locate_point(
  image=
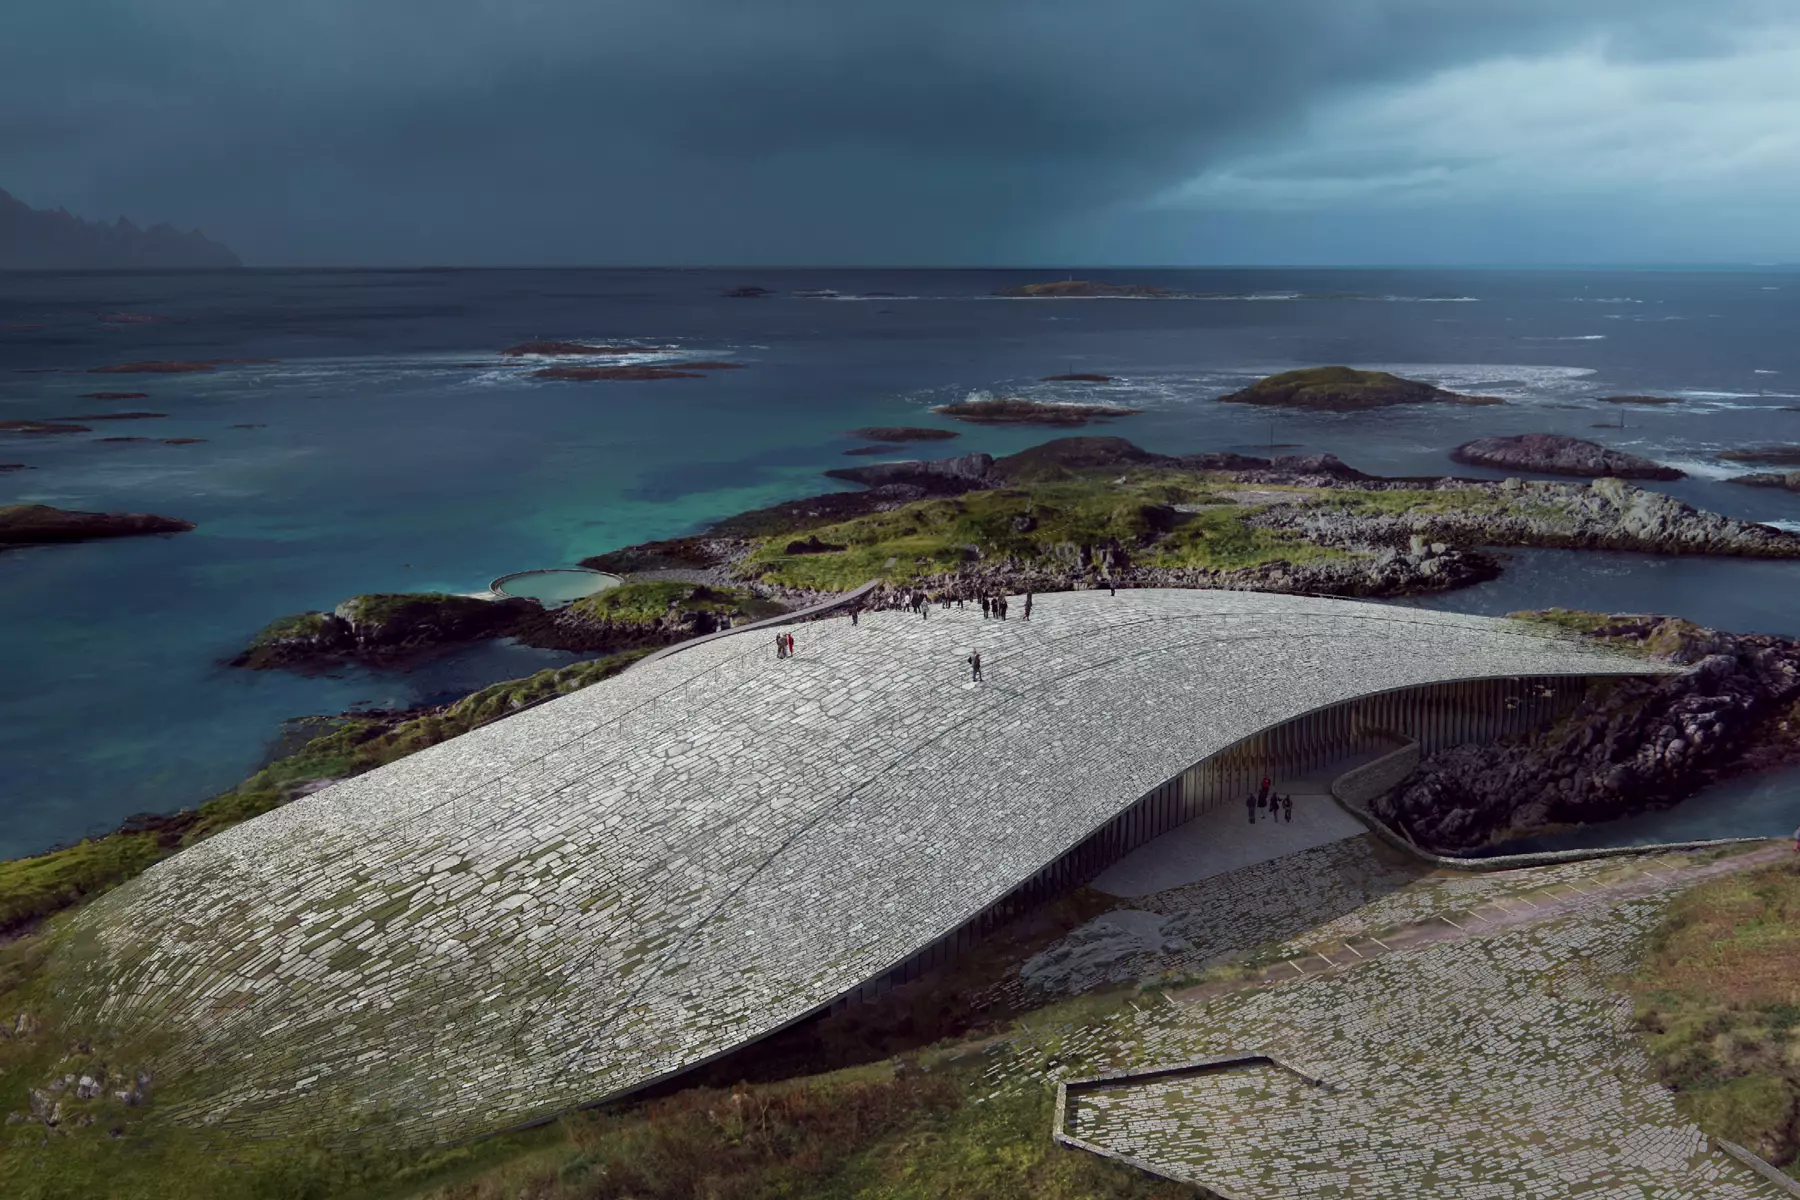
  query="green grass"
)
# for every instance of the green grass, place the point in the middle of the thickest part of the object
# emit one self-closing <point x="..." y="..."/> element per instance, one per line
<point x="646" y="603"/>
<point x="1718" y="1000"/>
<point x="1409" y="500"/>
<point x="1044" y="525"/>
<point x="873" y="1133"/>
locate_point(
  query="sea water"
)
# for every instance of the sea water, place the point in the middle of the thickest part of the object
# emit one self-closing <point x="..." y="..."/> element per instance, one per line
<point x="390" y="448"/>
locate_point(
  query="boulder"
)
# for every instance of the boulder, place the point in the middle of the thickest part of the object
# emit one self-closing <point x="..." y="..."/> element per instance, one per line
<point x="1774" y="456"/>
<point x="1554" y="454"/>
<point x="383" y="626"/>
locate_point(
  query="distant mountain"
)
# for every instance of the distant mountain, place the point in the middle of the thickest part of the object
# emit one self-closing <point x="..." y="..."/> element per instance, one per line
<point x="39" y="238"/>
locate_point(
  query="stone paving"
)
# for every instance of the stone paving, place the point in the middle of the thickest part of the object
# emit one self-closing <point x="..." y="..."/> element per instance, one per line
<point x="626" y="881"/>
<point x="1498" y="1064"/>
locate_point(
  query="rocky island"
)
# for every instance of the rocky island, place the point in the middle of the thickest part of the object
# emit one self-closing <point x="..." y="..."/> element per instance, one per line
<point x="37" y="524"/>
<point x="1553" y="454"/>
<point x="1774" y="456"/>
<point x="1016" y="410"/>
<point x="1345" y="389"/>
<point x="554" y="349"/>
<point x="382" y="627"/>
<point x="903" y="433"/>
<point x="1084" y="289"/>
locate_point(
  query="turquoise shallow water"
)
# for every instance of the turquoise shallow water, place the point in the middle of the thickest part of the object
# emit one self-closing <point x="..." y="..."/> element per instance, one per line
<point x="378" y="461"/>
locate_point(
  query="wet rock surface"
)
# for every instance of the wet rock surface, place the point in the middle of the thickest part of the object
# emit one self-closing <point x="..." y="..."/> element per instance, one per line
<point x="903" y="433"/>
<point x="1632" y="745"/>
<point x="1016" y="410"/>
<point x="1554" y="454"/>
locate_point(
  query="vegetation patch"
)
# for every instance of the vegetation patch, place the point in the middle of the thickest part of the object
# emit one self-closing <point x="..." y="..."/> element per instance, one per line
<point x="1162" y="518"/>
<point x="1718" y="1000"/>
<point x="650" y="603"/>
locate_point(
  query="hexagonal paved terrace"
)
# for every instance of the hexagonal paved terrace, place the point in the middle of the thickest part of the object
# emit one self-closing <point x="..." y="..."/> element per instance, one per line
<point x="615" y="886"/>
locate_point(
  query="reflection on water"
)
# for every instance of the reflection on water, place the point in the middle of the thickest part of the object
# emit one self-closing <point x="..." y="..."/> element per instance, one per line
<point x="1764" y="805"/>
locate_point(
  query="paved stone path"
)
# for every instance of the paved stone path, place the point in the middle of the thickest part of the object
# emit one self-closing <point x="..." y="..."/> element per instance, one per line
<point x="1494" y="1061"/>
<point x="623" y="882"/>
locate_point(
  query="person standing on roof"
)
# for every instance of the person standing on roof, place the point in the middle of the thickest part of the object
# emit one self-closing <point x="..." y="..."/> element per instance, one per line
<point x="975" y="666"/>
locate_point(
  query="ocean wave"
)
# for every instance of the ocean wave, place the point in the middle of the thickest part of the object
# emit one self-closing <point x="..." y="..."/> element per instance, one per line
<point x="1760" y="371"/>
<point x="1256" y="297"/>
<point x="1573" y="337"/>
<point x="1697" y="394"/>
<point x="1704" y="468"/>
<point x="1783" y="524"/>
<point x="1605" y="300"/>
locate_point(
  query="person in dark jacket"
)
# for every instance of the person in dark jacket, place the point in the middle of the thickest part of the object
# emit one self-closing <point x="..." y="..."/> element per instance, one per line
<point x="975" y="667"/>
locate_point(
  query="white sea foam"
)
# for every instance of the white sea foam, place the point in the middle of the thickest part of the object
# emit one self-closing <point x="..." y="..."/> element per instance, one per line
<point x="1760" y="371"/>
<point x="1573" y="337"/>
<point x="1783" y="524"/>
<point x="1604" y="300"/>
<point x="1704" y="468"/>
<point x="1697" y="394"/>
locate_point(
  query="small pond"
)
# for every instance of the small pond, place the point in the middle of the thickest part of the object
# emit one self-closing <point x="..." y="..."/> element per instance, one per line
<point x="556" y="585"/>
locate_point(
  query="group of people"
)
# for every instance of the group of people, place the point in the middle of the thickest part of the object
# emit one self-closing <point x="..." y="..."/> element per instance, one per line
<point x="1264" y="798"/>
<point x="784" y="645"/>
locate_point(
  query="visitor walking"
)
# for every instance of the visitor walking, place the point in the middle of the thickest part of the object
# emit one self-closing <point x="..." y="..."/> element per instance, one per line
<point x="781" y="645"/>
<point x="984" y="608"/>
<point x="1262" y="793"/>
<point x="1111" y="590"/>
<point x="1287" y="808"/>
<point x="1028" y="606"/>
<point x="790" y="645"/>
<point x="1250" y="805"/>
<point x="853" y="613"/>
<point x="1002" y="603"/>
<point x="975" y="666"/>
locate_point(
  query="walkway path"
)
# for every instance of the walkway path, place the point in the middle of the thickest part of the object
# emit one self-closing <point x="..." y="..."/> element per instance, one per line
<point x="1474" y="1051"/>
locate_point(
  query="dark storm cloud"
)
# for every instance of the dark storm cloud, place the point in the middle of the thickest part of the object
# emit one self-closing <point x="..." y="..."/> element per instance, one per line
<point x="711" y="130"/>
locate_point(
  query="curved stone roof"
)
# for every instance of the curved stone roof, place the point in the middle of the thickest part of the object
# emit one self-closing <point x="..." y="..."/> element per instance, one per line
<point x="663" y="866"/>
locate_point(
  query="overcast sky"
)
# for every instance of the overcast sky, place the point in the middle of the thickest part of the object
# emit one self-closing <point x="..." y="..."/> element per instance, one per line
<point x="919" y="131"/>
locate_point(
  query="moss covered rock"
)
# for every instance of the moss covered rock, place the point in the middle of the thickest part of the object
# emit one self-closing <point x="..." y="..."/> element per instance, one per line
<point x="383" y="625"/>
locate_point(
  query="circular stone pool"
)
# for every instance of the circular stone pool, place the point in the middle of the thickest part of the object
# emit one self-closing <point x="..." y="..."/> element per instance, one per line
<point x="555" y="586"/>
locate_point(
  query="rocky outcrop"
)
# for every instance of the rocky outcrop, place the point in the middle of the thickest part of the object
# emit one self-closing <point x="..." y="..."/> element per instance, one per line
<point x="1790" y="480"/>
<point x="1553" y="454"/>
<point x="383" y="627"/>
<point x="114" y="396"/>
<point x="945" y="474"/>
<point x="40" y="427"/>
<point x="1639" y="399"/>
<point x="552" y="349"/>
<point x="1608" y="514"/>
<point x="1345" y="389"/>
<point x="15" y="467"/>
<point x="903" y="433"/>
<point x="175" y="366"/>
<point x="1078" y="377"/>
<point x="116" y="416"/>
<point x="748" y="293"/>
<point x="1066" y="289"/>
<point x="645" y="613"/>
<point x="591" y="374"/>
<point x="36" y="524"/>
<point x="1016" y="410"/>
<point x="1630" y="746"/>
<point x="1773" y="456"/>
<point x="878" y="448"/>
